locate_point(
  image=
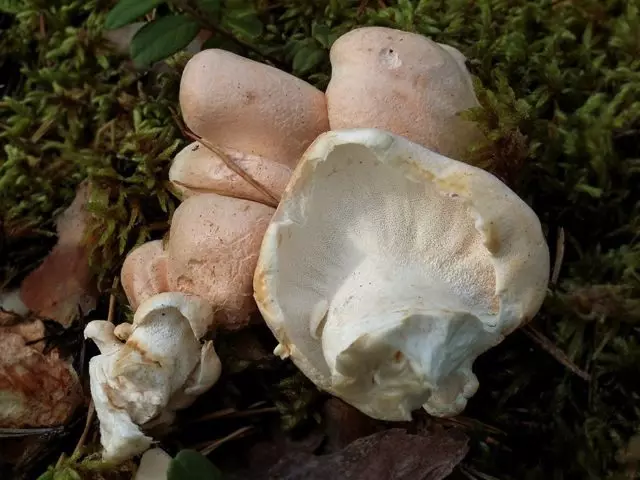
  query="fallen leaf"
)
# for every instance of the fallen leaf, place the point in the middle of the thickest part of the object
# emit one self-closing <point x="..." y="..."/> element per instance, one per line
<point x="390" y="455"/>
<point x="63" y="283"/>
<point x="36" y="390"/>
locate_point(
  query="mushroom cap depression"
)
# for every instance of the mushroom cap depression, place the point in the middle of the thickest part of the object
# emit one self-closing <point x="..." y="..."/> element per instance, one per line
<point x="388" y="268"/>
<point x="403" y="83"/>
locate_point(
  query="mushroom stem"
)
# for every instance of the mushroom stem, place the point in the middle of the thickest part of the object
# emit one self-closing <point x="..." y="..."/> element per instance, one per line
<point x="406" y="348"/>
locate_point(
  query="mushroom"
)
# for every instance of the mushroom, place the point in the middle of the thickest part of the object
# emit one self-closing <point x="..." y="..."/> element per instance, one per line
<point x="144" y="273"/>
<point x="388" y="268"/>
<point x="250" y="107"/>
<point x="253" y="123"/>
<point x="161" y="367"/>
<point x="403" y="83"/>
<point x="213" y="250"/>
<point x="154" y="465"/>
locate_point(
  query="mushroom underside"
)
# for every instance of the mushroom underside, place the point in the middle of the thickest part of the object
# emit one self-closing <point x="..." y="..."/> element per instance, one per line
<point x="391" y="286"/>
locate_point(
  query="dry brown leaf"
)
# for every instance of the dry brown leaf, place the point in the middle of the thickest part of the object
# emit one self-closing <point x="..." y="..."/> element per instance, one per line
<point x="390" y="455"/>
<point x="63" y="283"/>
<point x="36" y="390"/>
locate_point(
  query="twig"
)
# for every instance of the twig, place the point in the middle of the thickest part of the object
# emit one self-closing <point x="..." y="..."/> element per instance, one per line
<point x="473" y="423"/>
<point x="87" y="427"/>
<point x="474" y="474"/>
<point x="231" y="413"/>
<point x="237" y="434"/>
<point x="28" y="432"/>
<point x="112" y="305"/>
<point x="43" y="28"/>
<point x="230" y="164"/>
<point x="555" y="352"/>
<point x="557" y="265"/>
<point x="92" y="410"/>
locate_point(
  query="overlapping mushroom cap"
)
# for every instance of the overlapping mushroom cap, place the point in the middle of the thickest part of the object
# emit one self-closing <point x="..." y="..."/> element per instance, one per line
<point x="388" y="268"/>
<point x="161" y="367"/>
<point x="404" y="83"/>
<point x="255" y="121"/>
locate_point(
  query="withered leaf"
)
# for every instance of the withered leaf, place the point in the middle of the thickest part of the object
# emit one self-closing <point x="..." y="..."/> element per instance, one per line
<point x="390" y="455"/>
<point x="63" y="283"/>
<point x="36" y="390"/>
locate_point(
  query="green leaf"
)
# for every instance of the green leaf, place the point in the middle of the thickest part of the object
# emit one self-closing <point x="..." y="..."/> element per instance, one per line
<point x="245" y="23"/>
<point x="162" y="38"/>
<point x="211" y="7"/>
<point x="307" y="59"/>
<point x="191" y="465"/>
<point x="126" y="11"/>
<point x="322" y="34"/>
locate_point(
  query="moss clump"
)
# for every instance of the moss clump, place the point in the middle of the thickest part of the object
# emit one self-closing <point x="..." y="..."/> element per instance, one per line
<point x="559" y="83"/>
<point x="81" y="111"/>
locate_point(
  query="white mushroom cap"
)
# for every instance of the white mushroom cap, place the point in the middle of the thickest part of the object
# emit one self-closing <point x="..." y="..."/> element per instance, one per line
<point x="154" y="465"/>
<point x="160" y="368"/>
<point x="388" y="268"/>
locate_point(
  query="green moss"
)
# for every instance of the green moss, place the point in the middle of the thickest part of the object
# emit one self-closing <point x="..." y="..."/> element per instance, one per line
<point x="559" y="84"/>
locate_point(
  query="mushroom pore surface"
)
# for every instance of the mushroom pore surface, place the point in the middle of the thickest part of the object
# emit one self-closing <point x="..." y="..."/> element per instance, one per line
<point x="387" y="269"/>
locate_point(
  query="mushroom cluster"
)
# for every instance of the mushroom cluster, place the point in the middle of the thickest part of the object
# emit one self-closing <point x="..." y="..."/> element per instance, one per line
<point x="381" y="262"/>
<point x="253" y="123"/>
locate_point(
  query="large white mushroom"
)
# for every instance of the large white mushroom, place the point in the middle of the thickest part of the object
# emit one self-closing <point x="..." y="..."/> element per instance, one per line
<point x="388" y="268"/>
<point x="161" y="367"/>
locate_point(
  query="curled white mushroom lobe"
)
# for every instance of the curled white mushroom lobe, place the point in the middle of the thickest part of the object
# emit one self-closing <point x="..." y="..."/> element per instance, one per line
<point x="161" y="367"/>
<point x="388" y="268"/>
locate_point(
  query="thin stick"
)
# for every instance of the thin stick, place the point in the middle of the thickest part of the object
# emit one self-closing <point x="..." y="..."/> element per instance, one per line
<point x="231" y="165"/>
<point x="92" y="410"/>
<point x="87" y="427"/>
<point x="231" y="413"/>
<point x="555" y="352"/>
<point x="474" y="474"/>
<point x="235" y="168"/>
<point x="473" y="423"/>
<point x="557" y="265"/>
<point x="237" y="434"/>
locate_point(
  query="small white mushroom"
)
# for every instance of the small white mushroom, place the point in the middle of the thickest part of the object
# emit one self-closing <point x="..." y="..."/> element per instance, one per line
<point x="388" y="268"/>
<point x="154" y="465"/>
<point x="160" y="368"/>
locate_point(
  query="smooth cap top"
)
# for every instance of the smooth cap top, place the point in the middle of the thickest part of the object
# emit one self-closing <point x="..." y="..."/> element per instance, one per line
<point x="403" y="83"/>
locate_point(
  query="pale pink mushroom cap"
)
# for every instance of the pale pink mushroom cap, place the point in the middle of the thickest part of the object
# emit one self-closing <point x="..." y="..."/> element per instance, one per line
<point x="240" y="104"/>
<point x="213" y="250"/>
<point x="144" y="273"/>
<point x="403" y="83"/>
<point x="196" y="170"/>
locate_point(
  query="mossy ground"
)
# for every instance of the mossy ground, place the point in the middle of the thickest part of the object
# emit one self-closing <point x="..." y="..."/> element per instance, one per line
<point x="560" y="86"/>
